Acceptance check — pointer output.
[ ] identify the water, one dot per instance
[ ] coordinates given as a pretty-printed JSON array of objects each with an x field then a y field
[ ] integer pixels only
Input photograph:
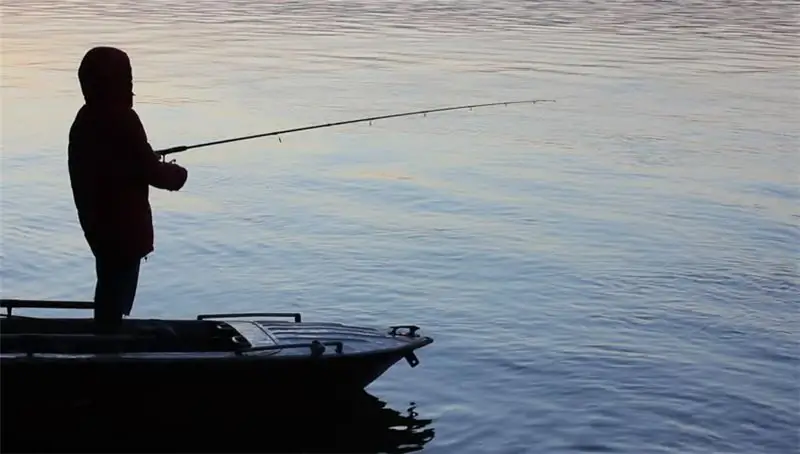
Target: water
[{"x": 614, "y": 272}]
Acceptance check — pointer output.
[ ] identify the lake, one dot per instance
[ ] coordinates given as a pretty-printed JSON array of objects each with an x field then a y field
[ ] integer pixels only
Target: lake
[{"x": 613, "y": 272}]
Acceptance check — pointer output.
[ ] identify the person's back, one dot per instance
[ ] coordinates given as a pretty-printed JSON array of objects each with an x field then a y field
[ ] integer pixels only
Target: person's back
[{"x": 111, "y": 166}]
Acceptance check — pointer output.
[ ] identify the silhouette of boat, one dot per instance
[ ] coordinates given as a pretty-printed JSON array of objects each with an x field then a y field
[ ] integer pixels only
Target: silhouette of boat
[{"x": 234, "y": 354}]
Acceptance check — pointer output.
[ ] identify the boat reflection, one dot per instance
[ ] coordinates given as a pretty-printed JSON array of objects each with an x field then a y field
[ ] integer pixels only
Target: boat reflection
[{"x": 272, "y": 423}]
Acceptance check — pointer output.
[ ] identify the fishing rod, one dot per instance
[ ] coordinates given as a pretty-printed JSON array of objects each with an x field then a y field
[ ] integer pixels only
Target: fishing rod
[{"x": 340, "y": 123}]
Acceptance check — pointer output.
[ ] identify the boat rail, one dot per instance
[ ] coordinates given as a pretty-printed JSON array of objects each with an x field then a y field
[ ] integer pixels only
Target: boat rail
[
  {"x": 297, "y": 317},
  {"x": 10, "y": 303}
]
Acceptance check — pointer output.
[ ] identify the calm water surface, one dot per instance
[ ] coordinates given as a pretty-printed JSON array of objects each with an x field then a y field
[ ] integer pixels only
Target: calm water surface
[{"x": 614, "y": 272}]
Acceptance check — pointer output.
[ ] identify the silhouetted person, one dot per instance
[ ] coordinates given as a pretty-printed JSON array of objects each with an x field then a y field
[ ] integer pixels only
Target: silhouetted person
[{"x": 111, "y": 167}]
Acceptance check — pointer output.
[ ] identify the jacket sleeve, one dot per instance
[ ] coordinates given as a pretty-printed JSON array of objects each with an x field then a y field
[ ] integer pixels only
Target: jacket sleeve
[{"x": 161, "y": 175}]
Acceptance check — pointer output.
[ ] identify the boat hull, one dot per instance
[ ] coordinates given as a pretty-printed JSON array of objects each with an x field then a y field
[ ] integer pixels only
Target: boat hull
[
  {"x": 60, "y": 383},
  {"x": 64, "y": 361}
]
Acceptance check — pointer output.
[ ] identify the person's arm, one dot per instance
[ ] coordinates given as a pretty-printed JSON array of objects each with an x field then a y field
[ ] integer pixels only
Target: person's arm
[{"x": 159, "y": 174}]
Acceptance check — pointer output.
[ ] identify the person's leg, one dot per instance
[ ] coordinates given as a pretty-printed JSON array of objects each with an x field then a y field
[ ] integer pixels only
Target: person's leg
[
  {"x": 106, "y": 316},
  {"x": 115, "y": 291},
  {"x": 129, "y": 281}
]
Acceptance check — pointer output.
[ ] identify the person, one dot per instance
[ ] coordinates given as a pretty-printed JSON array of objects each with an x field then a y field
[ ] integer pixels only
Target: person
[{"x": 111, "y": 168}]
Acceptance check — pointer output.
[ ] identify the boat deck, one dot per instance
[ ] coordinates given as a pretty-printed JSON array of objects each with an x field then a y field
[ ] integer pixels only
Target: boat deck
[
  {"x": 261, "y": 334},
  {"x": 77, "y": 335}
]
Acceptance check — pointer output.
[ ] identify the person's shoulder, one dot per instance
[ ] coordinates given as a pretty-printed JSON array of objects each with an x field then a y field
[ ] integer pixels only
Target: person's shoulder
[
  {"x": 107, "y": 124},
  {"x": 80, "y": 115},
  {"x": 88, "y": 117},
  {"x": 131, "y": 115},
  {"x": 133, "y": 124},
  {"x": 79, "y": 123}
]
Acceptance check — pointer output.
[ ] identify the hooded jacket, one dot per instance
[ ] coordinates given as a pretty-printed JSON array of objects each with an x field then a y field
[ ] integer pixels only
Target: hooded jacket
[{"x": 111, "y": 163}]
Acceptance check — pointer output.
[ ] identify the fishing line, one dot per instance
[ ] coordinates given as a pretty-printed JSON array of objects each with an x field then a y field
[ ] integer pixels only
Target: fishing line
[{"x": 182, "y": 148}]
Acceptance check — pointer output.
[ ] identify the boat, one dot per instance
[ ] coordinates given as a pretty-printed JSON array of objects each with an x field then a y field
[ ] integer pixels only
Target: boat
[{"x": 235, "y": 354}]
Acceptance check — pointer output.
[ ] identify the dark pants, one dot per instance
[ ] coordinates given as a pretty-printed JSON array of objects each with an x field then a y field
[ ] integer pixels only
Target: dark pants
[{"x": 115, "y": 291}]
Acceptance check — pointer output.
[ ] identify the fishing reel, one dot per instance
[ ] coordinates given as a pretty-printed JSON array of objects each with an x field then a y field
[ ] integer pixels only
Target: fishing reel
[{"x": 163, "y": 158}]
